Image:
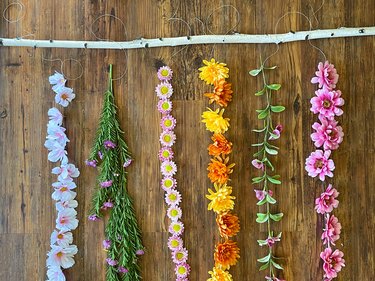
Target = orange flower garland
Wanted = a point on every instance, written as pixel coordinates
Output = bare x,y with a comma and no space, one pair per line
219,169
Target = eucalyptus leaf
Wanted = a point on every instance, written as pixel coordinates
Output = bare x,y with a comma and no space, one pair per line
259,130
262,218
273,180
271,67
262,242
262,202
264,266
270,199
277,108
274,87
277,265
255,72
263,114
271,151
257,179
265,259
276,217
261,92
257,144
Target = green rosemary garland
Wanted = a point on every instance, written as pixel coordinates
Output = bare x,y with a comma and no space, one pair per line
110,154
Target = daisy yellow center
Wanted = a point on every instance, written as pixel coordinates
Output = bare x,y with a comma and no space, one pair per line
168,123
64,96
174,213
164,72
172,197
59,254
164,90
60,236
176,227
182,270
168,168
165,106
64,189
167,138
179,256
166,153
175,244
168,183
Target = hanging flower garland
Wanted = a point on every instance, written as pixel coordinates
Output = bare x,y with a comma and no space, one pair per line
219,170
327,136
262,162
110,155
61,255
168,169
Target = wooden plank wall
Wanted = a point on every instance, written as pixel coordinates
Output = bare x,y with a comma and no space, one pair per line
26,210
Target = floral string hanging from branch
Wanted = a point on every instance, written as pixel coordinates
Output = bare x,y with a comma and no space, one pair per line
61,255
168,168
262,161
219,169
111,157
327,136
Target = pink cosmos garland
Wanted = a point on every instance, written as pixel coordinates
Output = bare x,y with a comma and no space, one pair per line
327,136
168,169
62,250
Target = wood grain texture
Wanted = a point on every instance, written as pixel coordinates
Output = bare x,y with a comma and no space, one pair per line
27,212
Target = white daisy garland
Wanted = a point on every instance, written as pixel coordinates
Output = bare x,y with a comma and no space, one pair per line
168,168
62,250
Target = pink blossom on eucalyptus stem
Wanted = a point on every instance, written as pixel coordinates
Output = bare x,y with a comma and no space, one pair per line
332,230
327,200
327,103
276,132
327,134
333,262
326,76
258,164
319,164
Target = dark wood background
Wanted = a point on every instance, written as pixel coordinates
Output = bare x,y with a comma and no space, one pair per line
27,212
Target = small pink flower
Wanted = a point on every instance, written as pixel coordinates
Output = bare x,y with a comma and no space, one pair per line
109,144
106,244
260,194
122,269
168,122
107,205
55,116
318,163
111,262
333,262
165,106
182,270
174,213
327,200
67,220
127,163
176,228
168,168
172,197
61,256
167,138
168,183
180,255
140,252
326,76
175,242
332,230
258,164
272,240
164,90
276,132
327,103
91,163
327,134
165,73
93,217
106,184
165,153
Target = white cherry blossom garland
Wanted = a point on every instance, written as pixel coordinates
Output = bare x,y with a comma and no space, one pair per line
168,168
62,250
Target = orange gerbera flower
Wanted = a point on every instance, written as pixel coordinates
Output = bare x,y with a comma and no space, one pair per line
219,170
226,254
212,71
222,93
220,146
217,274
221,200
229,224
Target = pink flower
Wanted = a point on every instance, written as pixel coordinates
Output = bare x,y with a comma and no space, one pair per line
165,153
172,197
107,205
106,184
168,183
127,163
258,164
66,172
327,134
57,133
272,240
333,262
164,106
326,76
174,213
93,217
122,269
55,116
109,144
165,73
57,151
327,200
260,194
318,163
168,168
54,273
276,132
180,255
164,90
140,252
111,262
64,96
168,122
167,138
106,244
57,79
175,242
176,228
61,256
61,205
327,103
91,163
63,190
332,230
66,220
61,238
182,270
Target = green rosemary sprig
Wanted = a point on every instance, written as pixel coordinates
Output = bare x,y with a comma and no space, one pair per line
123,235
263,162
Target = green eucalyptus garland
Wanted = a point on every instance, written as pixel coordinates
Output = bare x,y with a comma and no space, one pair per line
111,156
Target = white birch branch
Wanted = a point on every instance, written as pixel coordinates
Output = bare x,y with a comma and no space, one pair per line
194,40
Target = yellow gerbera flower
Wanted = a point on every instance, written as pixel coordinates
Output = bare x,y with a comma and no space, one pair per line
221,200
215,122
217,274
213,71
